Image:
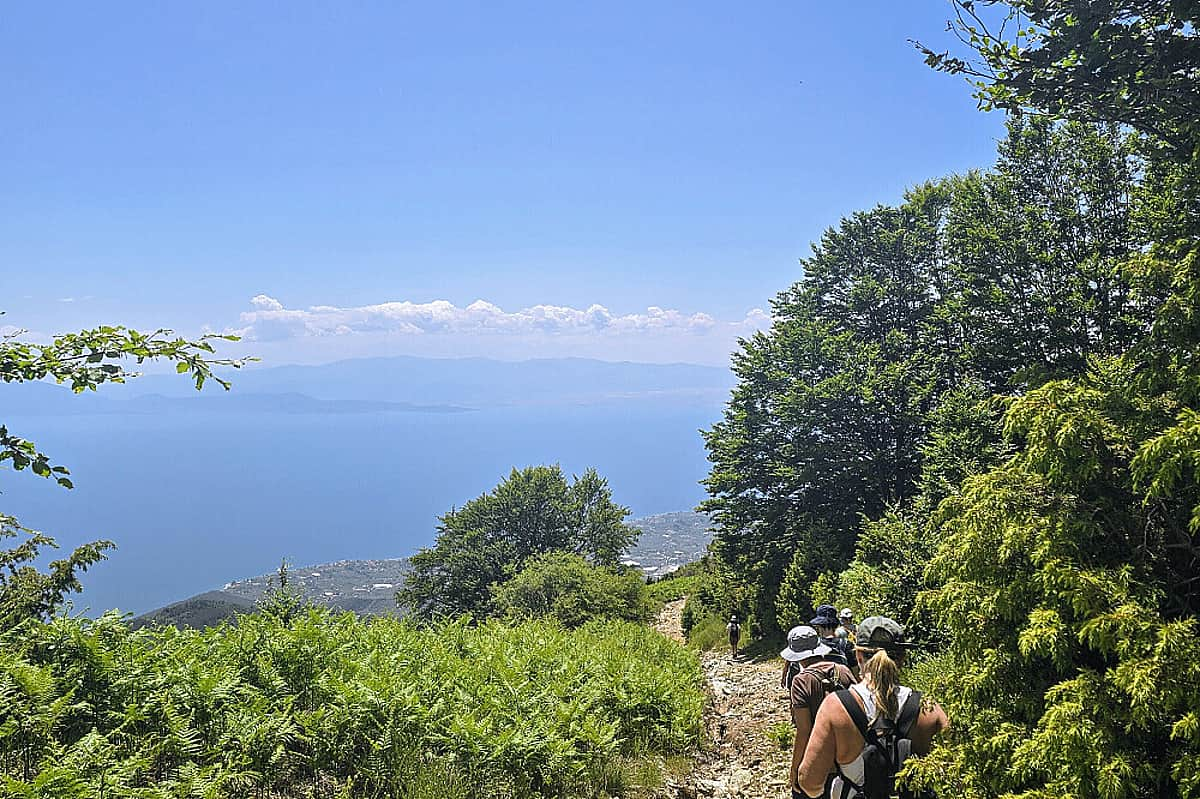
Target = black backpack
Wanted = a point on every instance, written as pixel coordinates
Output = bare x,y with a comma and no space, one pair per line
881,754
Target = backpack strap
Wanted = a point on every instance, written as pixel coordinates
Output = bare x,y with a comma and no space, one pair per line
846,697
908,713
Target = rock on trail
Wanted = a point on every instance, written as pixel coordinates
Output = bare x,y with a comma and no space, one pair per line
738,758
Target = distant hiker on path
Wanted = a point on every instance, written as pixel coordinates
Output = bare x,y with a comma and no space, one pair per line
815,679
863,735
826,623
734,628
845,630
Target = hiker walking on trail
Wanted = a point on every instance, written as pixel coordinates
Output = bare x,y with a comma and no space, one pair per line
734,628
845,630
826,622
863,735
815,679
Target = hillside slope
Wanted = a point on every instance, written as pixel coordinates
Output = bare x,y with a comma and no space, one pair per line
368,587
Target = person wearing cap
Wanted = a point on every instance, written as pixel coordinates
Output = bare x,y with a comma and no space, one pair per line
826,623
816,678
734,628
835,743
845,630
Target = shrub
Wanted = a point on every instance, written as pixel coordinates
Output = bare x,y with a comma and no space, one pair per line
670,588
566,587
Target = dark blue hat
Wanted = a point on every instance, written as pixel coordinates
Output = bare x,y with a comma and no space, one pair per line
826,617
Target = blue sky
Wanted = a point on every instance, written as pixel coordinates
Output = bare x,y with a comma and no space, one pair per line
236,165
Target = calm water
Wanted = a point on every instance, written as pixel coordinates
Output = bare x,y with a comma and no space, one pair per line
194,501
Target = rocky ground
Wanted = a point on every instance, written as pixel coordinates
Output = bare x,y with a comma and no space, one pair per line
740,758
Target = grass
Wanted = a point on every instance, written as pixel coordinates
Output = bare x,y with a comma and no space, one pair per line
671,589
781,733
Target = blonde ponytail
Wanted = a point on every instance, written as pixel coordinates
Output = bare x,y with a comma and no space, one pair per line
883,675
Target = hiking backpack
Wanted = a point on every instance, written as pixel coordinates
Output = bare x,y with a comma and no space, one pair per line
827,678
887,745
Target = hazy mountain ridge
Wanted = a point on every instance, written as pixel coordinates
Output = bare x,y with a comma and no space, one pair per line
400,384
368,587
44,399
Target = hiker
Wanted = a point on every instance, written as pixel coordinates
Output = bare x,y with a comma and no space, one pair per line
862,735
845,630
842,651
734,628
815,679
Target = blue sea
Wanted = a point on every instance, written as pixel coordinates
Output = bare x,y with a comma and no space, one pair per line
196,500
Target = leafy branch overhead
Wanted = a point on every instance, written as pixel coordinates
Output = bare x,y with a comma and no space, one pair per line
84,361
1129,61
88,358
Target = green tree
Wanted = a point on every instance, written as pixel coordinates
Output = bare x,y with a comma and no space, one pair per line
569,589
825,422
531,512
1039,244
1066,578
992,282
1066,575
1134,62
82,360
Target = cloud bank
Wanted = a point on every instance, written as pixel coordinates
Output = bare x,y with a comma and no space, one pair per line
271,321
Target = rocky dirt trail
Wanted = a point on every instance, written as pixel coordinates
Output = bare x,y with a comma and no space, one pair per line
739,759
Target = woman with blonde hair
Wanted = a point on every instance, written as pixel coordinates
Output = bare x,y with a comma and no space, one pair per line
859,741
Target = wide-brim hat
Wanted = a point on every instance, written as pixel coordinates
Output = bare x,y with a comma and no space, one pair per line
804,643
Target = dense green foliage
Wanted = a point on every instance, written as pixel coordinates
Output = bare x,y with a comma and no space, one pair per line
531,512
329,705
84,360
907,319
979,412
572,591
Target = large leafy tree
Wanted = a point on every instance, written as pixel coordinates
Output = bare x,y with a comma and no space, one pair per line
990,283
533,511
1039,243
824,424
82,360
1067,580
1066,576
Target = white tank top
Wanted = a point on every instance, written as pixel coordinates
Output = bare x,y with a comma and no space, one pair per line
855,770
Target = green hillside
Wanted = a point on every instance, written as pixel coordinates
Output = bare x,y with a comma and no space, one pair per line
334,705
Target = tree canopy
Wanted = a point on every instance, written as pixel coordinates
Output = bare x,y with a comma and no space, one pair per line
1134,62
531,512
998,280
1037,525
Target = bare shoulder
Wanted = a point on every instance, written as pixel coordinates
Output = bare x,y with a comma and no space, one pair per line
833,713
933,713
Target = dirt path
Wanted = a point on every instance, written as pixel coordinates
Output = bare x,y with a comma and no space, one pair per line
739,759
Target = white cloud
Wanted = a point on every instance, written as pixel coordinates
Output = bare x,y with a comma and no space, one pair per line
270,320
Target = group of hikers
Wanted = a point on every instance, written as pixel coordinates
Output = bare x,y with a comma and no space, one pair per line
855,724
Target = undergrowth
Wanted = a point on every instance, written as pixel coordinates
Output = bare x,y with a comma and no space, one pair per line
334,706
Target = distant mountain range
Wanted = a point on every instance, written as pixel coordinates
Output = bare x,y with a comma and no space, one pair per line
400,384
368,587
43,399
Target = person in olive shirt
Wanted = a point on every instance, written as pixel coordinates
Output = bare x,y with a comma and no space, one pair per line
826,622
816,678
